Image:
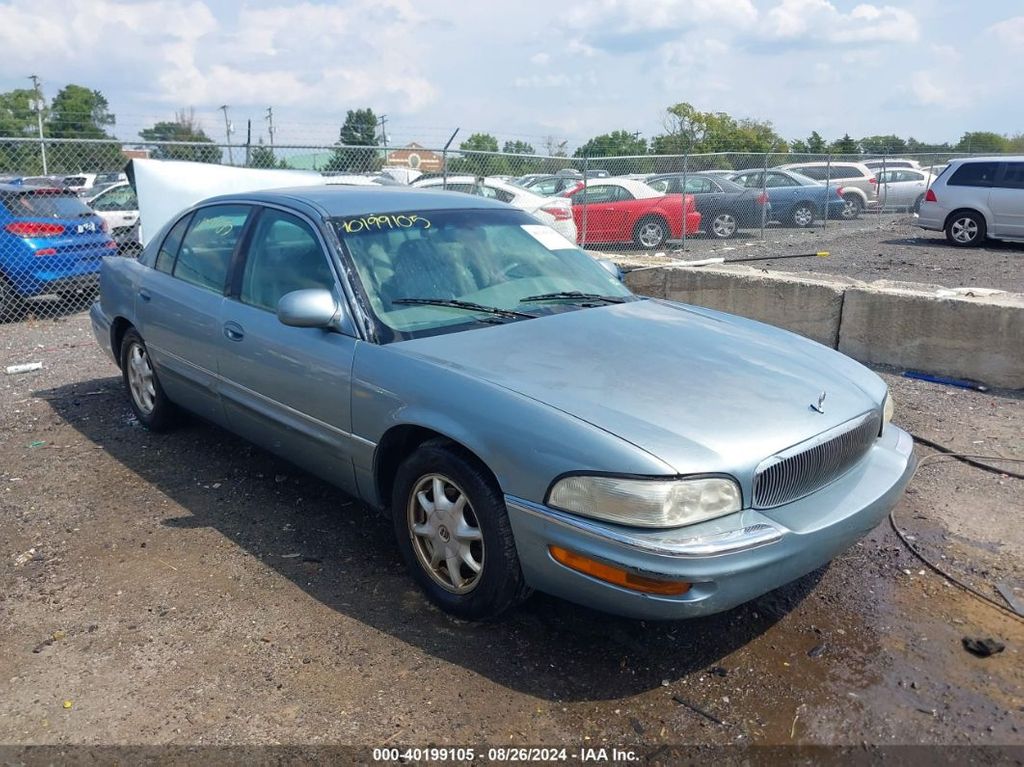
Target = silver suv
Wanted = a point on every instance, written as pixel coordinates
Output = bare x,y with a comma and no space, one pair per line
975,198
860,187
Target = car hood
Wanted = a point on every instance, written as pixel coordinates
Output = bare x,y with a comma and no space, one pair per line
700,390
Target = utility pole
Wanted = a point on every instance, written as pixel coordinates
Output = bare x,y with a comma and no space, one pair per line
270,126
227,132
382,122
38,104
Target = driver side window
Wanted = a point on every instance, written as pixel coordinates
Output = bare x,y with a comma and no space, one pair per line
284,255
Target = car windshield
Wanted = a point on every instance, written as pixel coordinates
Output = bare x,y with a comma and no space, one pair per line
45,204
493,259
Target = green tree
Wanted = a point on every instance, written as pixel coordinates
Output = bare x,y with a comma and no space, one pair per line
983,141
262,156
185,128
77,112
356,150
845,145
690,131
615,145
814,144
80,113
480,164
517,147
18,120
883,145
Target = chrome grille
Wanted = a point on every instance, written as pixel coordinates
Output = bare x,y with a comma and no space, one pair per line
811,465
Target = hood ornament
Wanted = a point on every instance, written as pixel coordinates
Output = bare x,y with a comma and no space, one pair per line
821,401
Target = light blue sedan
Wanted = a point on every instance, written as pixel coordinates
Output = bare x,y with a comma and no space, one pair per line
525,421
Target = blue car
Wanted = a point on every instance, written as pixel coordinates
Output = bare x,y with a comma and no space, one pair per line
50,243
795,199
521,419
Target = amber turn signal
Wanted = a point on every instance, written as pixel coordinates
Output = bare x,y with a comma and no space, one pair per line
616,575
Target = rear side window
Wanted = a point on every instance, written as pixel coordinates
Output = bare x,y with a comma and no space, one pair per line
1013,176
974,174
208,245
169,248
44,204
817,173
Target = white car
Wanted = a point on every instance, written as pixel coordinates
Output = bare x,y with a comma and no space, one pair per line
118,205
902,188
891,163
975,198
556,212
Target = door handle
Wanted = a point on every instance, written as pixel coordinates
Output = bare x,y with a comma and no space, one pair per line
233,331
144,295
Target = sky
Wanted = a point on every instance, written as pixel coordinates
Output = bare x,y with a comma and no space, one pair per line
530,69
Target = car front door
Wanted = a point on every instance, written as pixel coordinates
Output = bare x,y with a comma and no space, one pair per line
178,308
119,207
593,208
1006,201
287,388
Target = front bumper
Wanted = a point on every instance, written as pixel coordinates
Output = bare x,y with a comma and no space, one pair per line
730,560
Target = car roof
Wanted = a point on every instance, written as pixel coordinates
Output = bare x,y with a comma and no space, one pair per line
992,158
6,188
336,201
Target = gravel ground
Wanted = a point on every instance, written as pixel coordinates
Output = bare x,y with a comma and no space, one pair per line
886,247
189,588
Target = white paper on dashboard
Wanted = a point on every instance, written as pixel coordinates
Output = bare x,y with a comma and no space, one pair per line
547,237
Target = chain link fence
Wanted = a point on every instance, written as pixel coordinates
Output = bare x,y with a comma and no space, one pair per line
66,204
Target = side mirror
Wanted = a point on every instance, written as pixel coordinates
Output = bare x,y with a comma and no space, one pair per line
611,267
314,308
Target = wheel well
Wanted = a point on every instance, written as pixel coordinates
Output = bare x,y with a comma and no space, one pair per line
808,203
117,330
398,443
960,211
651,217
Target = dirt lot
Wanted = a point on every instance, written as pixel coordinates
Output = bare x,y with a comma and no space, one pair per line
191,589
873,247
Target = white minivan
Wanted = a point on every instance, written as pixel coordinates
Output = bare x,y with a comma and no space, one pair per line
975,198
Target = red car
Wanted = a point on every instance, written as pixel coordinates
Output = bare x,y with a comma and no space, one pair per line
624,210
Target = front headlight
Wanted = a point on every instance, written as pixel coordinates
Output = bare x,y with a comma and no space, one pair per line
887,408
647,502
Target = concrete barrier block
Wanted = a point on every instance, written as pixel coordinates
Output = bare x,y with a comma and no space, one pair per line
808,305
980,338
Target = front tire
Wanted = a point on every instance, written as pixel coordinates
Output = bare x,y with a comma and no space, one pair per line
965,229
650,233
724,225
802,215
852,207
454,533
145,394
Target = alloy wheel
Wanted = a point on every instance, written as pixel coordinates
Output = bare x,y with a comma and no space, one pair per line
140,379
445,533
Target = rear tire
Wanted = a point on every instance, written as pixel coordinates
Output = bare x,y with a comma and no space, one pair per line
965,229
460,550
803,215
145,394
650,232
12,306
917,204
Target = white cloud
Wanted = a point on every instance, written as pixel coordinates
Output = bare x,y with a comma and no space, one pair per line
820,21
540,59
291,54
1010,31
927,92
631,16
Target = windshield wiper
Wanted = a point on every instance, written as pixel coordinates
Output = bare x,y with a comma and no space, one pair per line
573,295
454,303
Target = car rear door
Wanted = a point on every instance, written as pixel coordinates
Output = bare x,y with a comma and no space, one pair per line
178,308
1006,201
287,388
